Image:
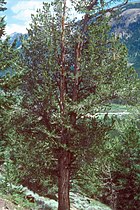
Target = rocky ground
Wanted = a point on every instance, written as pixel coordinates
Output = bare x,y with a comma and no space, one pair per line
8,205
79,202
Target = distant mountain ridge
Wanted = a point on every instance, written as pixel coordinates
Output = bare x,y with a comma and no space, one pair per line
16,36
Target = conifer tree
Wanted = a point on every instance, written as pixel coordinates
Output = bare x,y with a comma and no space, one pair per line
2,23
75,70
10,74
114,175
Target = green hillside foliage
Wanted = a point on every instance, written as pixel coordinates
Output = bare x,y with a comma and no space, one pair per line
114,175
10,77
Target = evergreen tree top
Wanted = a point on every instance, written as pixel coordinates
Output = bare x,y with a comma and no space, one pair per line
2,5
2,22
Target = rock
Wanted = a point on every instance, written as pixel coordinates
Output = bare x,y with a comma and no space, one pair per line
73,207
8,205
81,202
91,208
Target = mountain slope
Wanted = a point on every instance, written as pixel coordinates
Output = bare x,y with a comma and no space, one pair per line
127,26
18,37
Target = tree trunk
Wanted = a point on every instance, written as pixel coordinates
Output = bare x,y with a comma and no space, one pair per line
64,180
64,155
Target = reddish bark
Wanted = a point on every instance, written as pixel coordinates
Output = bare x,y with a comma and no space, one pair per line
64,157
64,181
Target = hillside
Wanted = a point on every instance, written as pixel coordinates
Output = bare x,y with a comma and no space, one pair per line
127,26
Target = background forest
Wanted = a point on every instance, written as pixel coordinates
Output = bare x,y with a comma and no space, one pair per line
69,115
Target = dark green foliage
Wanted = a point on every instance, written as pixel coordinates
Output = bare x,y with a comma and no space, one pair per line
2,4
2,25
114,175
10,74
2,22
8,62
127,176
